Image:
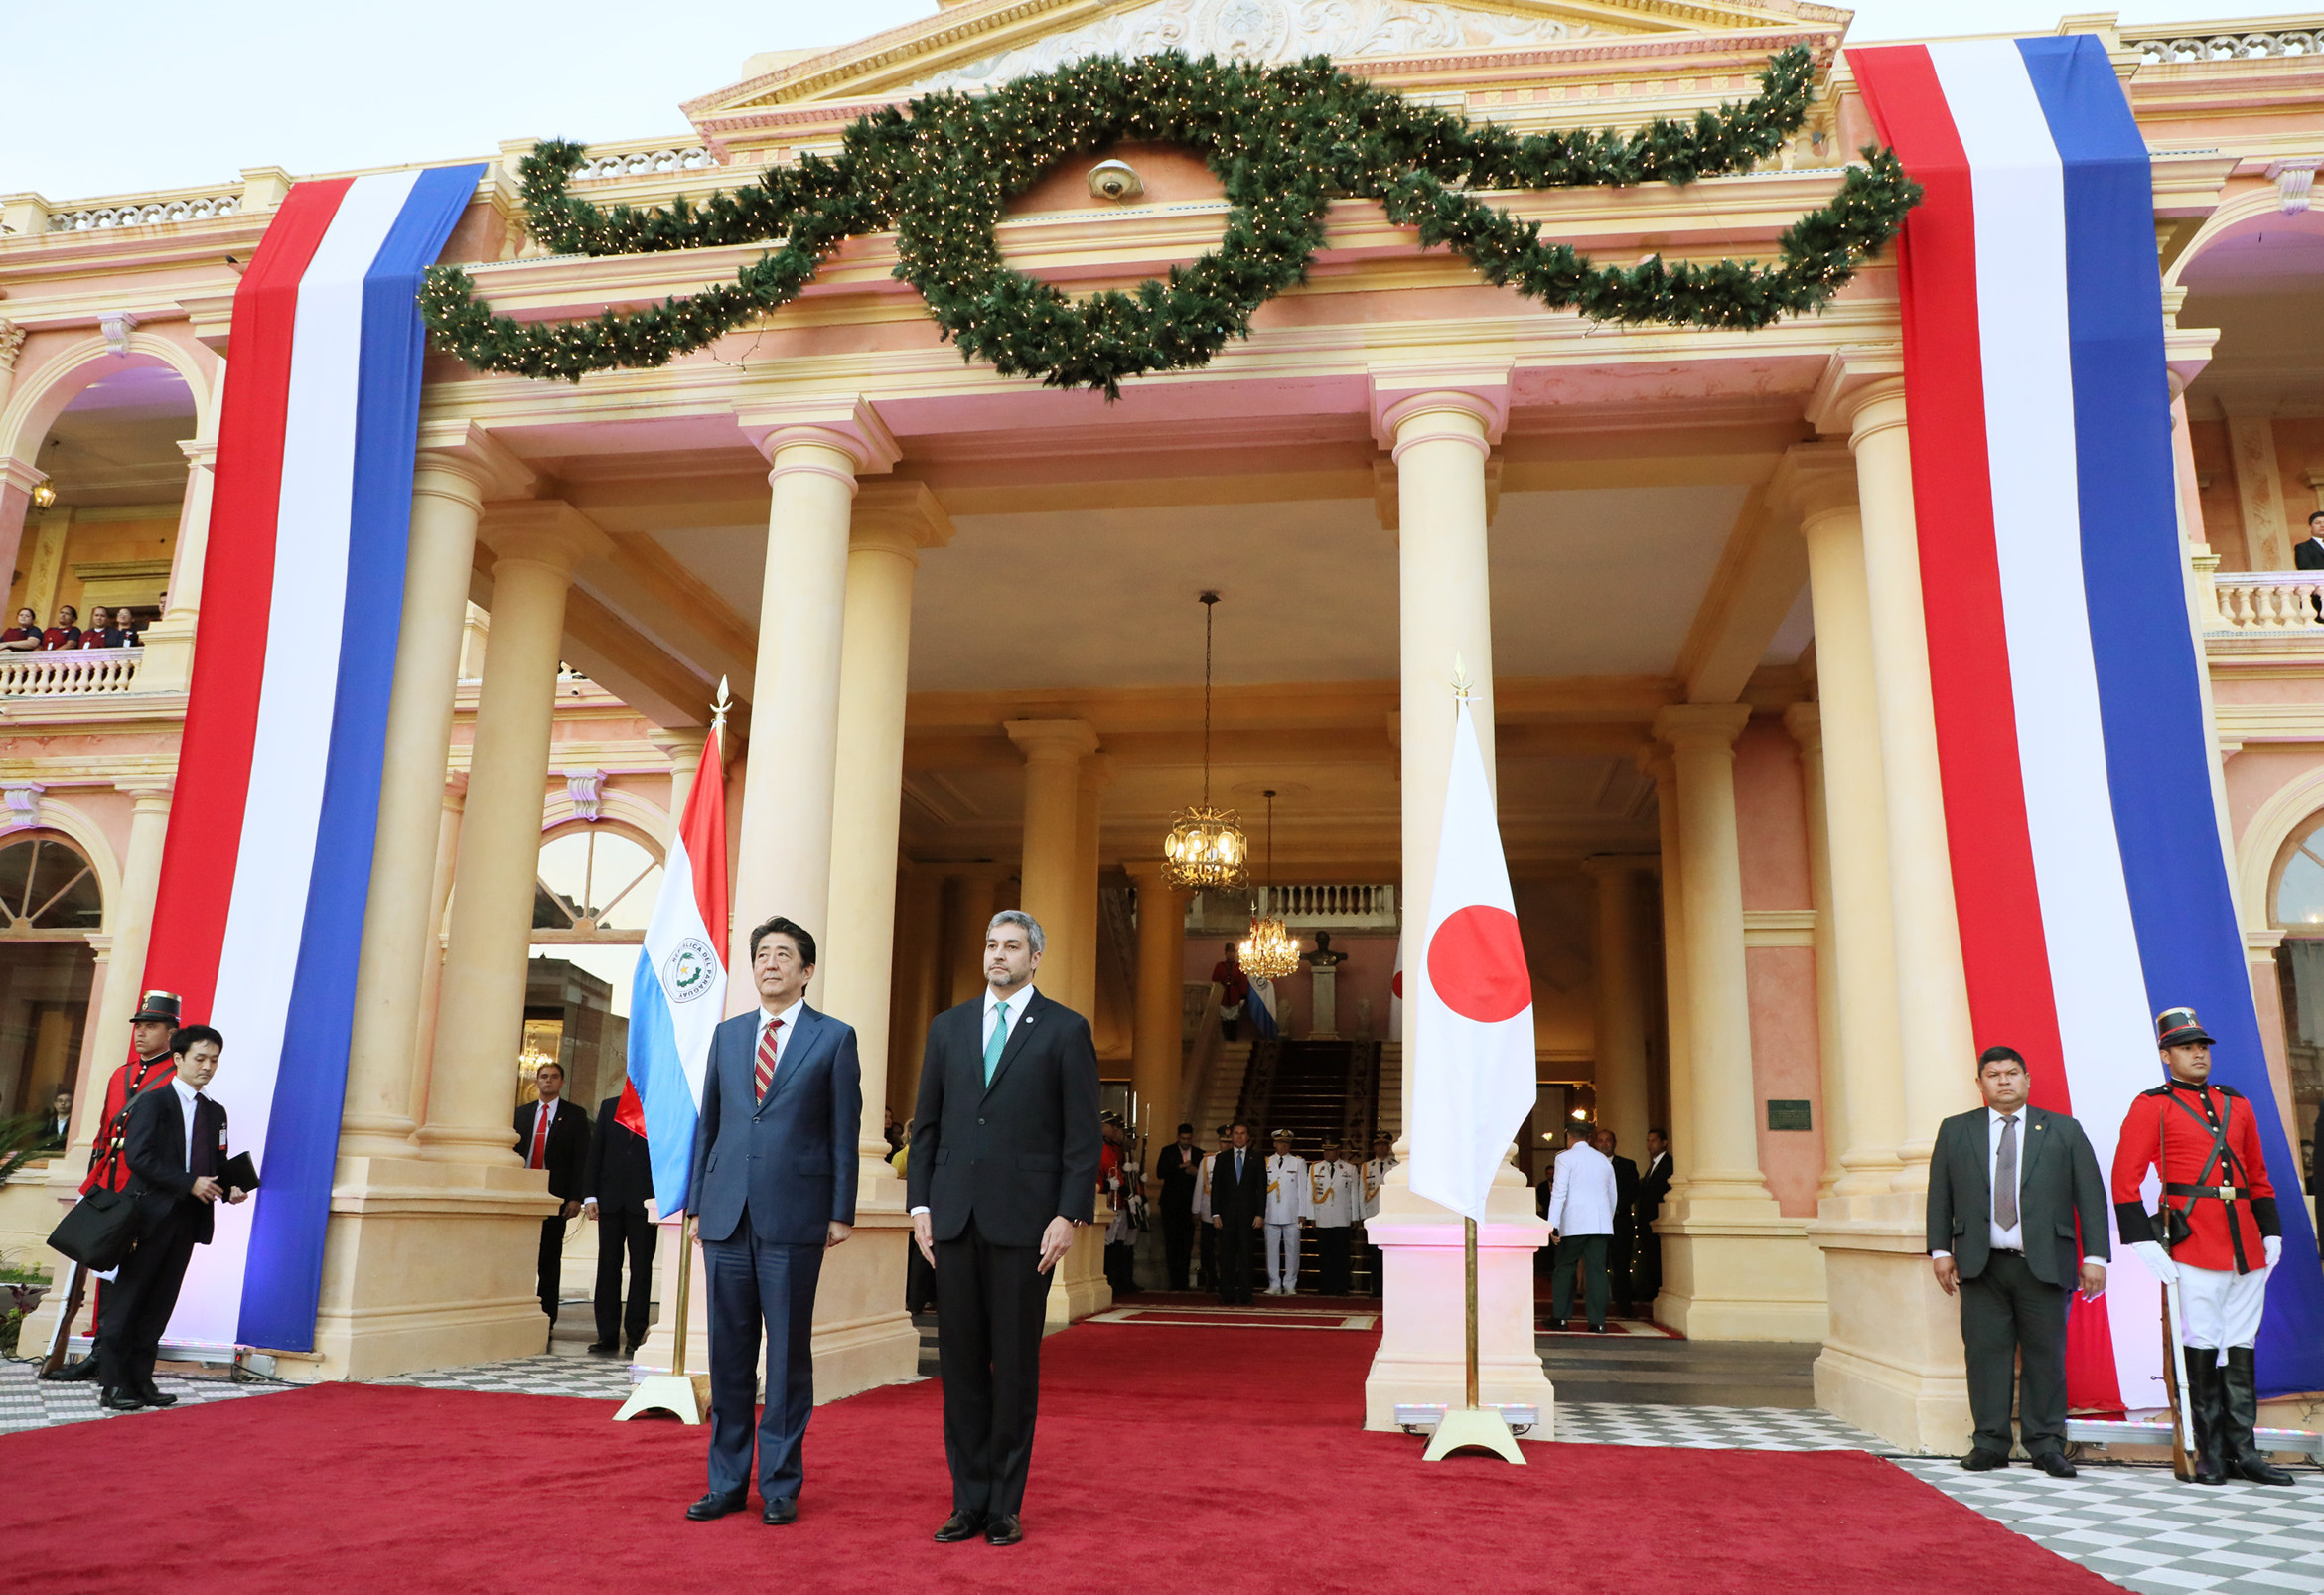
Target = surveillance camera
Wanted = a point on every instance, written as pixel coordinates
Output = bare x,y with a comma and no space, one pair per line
1114,180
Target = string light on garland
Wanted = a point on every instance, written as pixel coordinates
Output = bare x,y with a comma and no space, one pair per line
1271,951
1284,142
1206,850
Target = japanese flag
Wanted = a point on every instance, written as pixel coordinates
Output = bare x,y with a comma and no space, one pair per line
1473,1078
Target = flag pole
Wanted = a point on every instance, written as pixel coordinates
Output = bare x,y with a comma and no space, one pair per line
686,1396
1469,1264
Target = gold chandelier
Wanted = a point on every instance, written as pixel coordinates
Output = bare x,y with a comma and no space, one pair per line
1271,951
1206,850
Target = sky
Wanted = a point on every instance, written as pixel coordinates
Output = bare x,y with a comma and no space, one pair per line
120,97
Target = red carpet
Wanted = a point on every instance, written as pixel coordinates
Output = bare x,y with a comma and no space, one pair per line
1230,1455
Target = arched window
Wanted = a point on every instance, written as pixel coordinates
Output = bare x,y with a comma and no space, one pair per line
591,902
50,904
2298,910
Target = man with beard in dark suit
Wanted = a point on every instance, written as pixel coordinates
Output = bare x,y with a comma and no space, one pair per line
1624,1249
1178,1165
1238,1206
616,1188
1006,1152
1653,1186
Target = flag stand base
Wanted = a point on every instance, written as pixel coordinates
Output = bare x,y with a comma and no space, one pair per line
686,1396
1481,1429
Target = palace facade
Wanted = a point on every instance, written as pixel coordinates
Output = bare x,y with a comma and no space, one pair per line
960,614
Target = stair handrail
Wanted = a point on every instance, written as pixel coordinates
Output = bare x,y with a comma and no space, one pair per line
1201,1061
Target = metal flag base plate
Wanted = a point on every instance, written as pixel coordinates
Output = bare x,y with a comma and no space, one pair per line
1478,1427
686,1396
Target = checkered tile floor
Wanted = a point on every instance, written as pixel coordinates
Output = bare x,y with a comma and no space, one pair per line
27,1403
604,1378
1708,1428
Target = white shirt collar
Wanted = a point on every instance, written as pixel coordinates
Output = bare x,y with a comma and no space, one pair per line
788,1016
1017,1004
186,1095
548,1106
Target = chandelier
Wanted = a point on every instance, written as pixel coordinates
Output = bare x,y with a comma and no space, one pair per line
1206,850
1271,951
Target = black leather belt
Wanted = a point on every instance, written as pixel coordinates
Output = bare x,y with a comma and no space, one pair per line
2225,1192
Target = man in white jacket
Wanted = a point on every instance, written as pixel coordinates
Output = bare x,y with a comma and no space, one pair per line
1581,1227
1288,1210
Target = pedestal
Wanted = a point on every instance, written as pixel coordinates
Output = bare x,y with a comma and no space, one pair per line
1076,1287
1323,1001
1892,1361
1424,1353
1740,1278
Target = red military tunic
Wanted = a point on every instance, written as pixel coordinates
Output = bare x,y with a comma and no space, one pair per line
2169,1129
136,1075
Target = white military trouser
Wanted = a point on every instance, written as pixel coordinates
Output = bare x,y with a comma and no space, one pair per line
1283,1256
2218,1307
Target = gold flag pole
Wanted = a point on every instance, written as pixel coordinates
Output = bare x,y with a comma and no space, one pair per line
686,1396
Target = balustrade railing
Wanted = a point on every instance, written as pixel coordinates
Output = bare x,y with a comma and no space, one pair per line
2253,46
135,214
68,672
2259,601
1336,907
638,163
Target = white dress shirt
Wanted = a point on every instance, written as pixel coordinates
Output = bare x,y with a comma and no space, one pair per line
2012,1237
1018,1003
1582,1192
186,1095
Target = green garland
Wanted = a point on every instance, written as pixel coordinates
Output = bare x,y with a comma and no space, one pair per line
1284,141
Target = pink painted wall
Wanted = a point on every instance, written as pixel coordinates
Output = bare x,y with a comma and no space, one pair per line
1770,819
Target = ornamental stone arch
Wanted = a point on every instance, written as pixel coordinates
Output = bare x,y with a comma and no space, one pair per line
40,393
2233,215
84,833
2270,841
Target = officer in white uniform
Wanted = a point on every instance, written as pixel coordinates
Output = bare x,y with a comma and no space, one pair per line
1334,1197
1287,1210
1374,1176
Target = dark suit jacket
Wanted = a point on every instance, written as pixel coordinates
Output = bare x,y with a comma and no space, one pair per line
567,1157
620,1175
2307,554
1653,1186
790,1161
1178,1166
1626,1185
2058,1183
155,1150
1235,1202
1019,1152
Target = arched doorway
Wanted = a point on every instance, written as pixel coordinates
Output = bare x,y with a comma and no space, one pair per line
2297,907
592,898
49,905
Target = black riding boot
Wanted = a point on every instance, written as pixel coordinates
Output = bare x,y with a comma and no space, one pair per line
2239,1450
2206,1402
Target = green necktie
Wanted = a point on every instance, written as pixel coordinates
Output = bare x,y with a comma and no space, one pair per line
996,1041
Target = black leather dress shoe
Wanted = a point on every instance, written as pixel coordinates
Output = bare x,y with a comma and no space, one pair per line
713,1506
2054,1464
78,1370
961,1525
153,1394
1983,1461
779,1513
1004,1530
602,1347
116,1399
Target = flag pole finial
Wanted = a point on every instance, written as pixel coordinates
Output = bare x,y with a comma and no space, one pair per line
718,713
1460,678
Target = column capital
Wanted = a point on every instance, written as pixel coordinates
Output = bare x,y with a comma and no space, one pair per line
1804,721
1051,741
680,745
847,423
1098,770
1465,402
464,451
545,531
898,516
22,475
1814,481
148,790
200,453
1690,726
1856,380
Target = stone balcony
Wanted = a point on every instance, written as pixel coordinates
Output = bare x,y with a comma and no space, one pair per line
1300,908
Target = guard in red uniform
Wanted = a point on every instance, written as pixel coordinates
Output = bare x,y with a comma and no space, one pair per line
2219,1237
153,1066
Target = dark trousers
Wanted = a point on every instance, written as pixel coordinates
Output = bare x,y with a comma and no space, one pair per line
2009,1319
1618,1261
992,1304
1122,1267
1208,1254
1649,1267
620,1233
1238,1251
1588,1252
144,1294
1375,1267
552,1265
1178,1232
756,1284
1332,1255
919,1281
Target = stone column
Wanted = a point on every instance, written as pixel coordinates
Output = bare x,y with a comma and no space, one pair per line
1097,775
131,928
1618,1004
1053,751
399,932
918,962
1933,1018
1156,1048
974,893
1805,723
473,1089
167,663
1440,431
814,454
863,1282
454,808
1675,1021
18,478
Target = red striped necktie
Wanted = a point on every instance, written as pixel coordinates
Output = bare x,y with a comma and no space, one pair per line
767,1058
540,1124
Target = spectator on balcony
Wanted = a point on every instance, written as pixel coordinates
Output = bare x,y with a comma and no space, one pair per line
103,633
2309,555
25,636
65,632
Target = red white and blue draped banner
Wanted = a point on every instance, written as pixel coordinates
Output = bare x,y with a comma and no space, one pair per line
677,993
260,915
2087,870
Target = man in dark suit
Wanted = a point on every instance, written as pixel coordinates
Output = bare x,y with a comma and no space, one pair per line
1623,1251
1004,1167
553,1134
1238,1206
774,1183
2009,1187
176,1148
1646,1249
2308,553
1178,1166
615,1189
